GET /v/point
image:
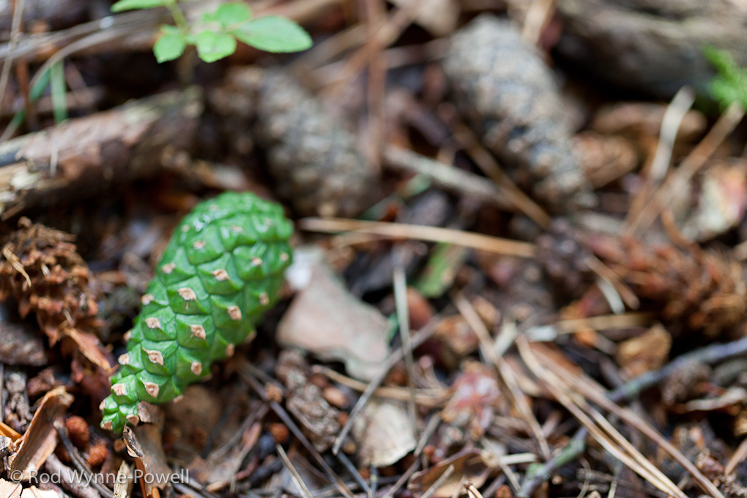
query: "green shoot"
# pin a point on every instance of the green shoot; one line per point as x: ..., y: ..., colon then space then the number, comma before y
x: 215, y: 35
x: 57, y: 92
x: 730, y: 85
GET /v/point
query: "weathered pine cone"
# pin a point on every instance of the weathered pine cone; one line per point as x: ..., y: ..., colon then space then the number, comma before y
x: 311, y: 156
x: 509, y: 93
x: 319, y: 420
x: 42, y: 270
x: 703, y: 289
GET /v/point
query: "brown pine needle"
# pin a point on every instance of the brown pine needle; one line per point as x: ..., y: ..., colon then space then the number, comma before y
x: 604, y: 322
x: 505, y: 374
x: 438, y: 482
x: 487, y: 163
x: 687, y: 169
x: 575, y: 404
x: 589, y: 389
x: 670, y: 125
x: 737, y: 458
x: 305, y: 491
x: 424, y: 397
x: 461, y: 238
x: 403, y: 316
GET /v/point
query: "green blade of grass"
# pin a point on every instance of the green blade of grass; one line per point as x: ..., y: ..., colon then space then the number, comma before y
x: 57, y: 89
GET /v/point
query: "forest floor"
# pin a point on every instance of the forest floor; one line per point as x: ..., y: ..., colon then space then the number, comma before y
x: 518, y: 251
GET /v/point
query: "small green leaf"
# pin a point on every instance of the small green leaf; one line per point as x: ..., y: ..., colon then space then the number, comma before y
x: 138, y: 4
x: 231, y: 13
x: 273, y: 34
x: 213, y: 46
x: 169, y: 46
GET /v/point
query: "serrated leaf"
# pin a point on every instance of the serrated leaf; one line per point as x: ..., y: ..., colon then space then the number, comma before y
x: 274, y: 34
x: 138, y: 4
x: 212, y: 46
x: 169, y: 46
x: 232, y: 13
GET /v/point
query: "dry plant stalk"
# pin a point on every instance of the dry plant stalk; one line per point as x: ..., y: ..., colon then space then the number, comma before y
x: 45, y: 274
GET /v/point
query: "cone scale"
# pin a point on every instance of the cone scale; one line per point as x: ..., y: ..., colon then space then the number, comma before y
x: 221, y: 270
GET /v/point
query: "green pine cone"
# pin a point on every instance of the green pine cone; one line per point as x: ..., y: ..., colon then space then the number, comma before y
x: 220, y: 272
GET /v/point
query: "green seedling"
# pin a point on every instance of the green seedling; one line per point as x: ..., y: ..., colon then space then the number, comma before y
x: 216, y: 34
x: 730, y: 85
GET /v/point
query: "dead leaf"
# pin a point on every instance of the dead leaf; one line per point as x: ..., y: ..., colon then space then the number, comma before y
x: 384, y: 433
x: 644, y: 353
x: 40, y: 439
x: 331, y: 323
x: 471, y: 464
x: 439, y: 17
x: 10, y: 489
x: 123, y: 484
x: 721, y: 203
x: 34, y: 492
x: 144, y: 445
x: 224, y: 466
x: 472, y: 404
x: 91, y: 348
x: 194, y: 416
x: 20, y: 343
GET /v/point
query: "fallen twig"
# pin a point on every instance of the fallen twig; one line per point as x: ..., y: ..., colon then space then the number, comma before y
x: 82, y: 155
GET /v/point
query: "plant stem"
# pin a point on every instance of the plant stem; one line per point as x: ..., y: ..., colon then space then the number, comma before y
x: 186, y: 64
x: 178, y: 15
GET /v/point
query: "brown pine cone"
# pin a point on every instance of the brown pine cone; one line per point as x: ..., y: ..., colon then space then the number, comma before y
x: 318, y: 419
x: 311, y: 155
x: 704, y: 289
x: 41, y: 269
x: 509, y: 92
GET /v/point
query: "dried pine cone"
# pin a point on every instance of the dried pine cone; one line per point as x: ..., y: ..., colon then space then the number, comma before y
x: 705, y: 289
x: 509, y: 92
x: 45, y: 274
x: 311, y: 156
x: 319, y: 420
